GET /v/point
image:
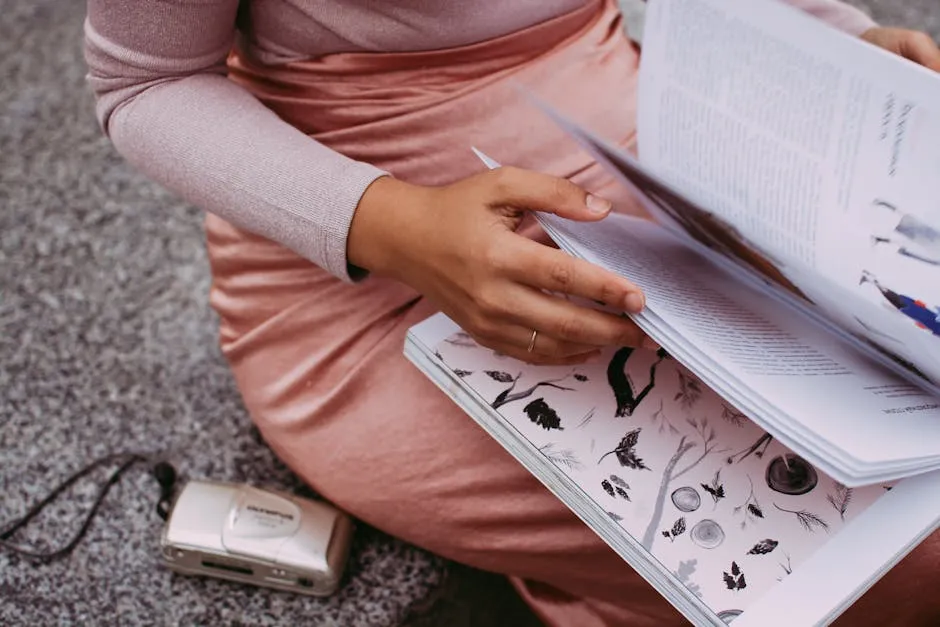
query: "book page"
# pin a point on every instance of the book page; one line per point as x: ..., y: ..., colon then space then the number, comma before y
x: 797, y: 369
x: 693, y: 487
x: 817, y: 149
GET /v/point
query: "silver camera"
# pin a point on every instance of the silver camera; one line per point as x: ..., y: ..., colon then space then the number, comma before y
x: 260, y: 537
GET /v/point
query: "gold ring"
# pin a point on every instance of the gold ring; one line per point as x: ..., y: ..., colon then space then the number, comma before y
x: 535, y: 334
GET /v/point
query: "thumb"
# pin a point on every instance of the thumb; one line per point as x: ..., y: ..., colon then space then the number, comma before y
x: 921, y: 48
x: 524, y: 189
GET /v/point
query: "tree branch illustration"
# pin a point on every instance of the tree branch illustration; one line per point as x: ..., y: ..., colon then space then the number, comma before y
x: 757, y: 449
x: 683, y: 448
x: 708, y: 444
x: 670, y: 474
x: 508, y: 396
x: 628, y: 398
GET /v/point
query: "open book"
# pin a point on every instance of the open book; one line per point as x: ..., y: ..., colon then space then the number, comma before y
x: 794, y: 262
x: 719, y: 516
x: 792, y: 274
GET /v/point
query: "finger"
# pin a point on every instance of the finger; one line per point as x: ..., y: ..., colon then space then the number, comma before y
x: 562, y: 321
x: 512, y: 350
x: 921, y: 48
x: 543, y: 344
x: 556, y: 271
x: 532, y: 340
x: 524, y: 189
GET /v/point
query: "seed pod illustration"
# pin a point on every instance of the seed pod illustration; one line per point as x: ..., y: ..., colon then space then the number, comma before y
x: 686, y: 499
x: 707, y: 534
x: 792, y: 476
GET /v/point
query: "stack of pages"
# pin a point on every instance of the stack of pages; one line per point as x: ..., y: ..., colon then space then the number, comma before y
x: 782, y: 451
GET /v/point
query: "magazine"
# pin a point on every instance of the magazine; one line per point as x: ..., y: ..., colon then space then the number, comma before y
x: 809, y: 311
x: 724, y: 520
x: 791, y: 264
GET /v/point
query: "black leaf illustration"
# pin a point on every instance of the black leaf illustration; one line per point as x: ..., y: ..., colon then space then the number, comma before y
x: 609, y: 489
x: 763, y: 547
x: 496, y: 375
x: 735, y: 579
x: 715, y: 488
x: 625, y: 452
x: 618, y: 481
x: 807, y: 519
x: 463, y: 373
x: 615, y: 517
x: 541, y: 414
x: 717, y: 493
x: 564, y: 457
x: 690, y: 390
x: 580, y: 377
x: 438, y: 355
x: 841, y: 499
x: 750, y: 508
x: 622, y: 493
x: 733, y: 416
x: 678, y: 528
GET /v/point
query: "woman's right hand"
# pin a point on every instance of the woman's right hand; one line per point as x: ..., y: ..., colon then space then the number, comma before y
x: 457, y: 245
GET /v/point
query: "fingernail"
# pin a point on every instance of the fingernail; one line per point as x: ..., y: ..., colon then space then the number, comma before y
x: 635, y: 302
x: 650, y: 344
x: 597, y: 205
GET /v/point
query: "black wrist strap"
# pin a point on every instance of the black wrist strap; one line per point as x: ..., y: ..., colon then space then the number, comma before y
x: 164, y: 473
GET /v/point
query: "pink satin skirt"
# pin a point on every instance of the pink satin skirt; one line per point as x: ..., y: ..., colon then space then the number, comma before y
x: 297, y: 337
x: 319, y: 362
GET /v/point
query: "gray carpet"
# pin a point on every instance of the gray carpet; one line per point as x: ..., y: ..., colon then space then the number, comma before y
x: 107, y: 344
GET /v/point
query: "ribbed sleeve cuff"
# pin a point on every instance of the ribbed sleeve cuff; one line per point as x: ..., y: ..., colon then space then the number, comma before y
x: 328, y: 232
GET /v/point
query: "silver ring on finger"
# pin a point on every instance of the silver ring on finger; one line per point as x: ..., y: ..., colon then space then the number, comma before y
x: 535, y: 335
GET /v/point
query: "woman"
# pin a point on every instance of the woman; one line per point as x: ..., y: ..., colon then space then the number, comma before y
x: 329, y: 146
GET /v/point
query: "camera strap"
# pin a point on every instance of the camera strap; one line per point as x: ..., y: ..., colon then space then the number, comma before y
x: 164, y: 473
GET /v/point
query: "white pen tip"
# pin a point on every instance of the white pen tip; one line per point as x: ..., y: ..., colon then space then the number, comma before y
x: 487, y: 161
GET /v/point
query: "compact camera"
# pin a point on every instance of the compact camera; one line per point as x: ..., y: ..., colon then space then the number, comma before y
x: 260, y: 537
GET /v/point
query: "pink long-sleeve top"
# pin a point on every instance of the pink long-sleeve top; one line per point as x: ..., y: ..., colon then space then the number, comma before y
x: 158, y: 72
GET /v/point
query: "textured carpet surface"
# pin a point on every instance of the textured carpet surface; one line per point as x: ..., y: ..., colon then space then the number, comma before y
x: 107, y: 345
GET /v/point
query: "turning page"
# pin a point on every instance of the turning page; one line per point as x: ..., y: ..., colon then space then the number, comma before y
x: 850, y: 415
x: 820, y: 150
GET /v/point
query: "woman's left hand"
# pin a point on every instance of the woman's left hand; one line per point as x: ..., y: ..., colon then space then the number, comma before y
x: 910, y: 44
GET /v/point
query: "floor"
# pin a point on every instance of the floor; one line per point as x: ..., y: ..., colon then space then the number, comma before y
x: 107, y: 345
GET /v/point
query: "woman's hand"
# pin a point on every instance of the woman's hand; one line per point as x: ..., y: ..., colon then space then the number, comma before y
x: 457, y: 245
x: 914, y: 45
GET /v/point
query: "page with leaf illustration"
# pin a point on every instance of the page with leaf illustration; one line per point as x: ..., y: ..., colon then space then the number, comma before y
x: 763, y: 355
x: 819, y: 150
x: 848, y: 414
x: 715, y: 512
